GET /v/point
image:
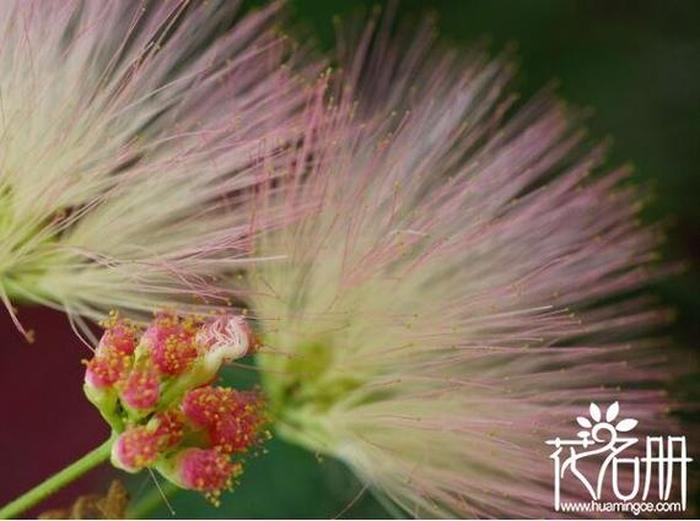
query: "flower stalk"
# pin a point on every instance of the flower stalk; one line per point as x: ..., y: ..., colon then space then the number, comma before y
x: 57, y: 481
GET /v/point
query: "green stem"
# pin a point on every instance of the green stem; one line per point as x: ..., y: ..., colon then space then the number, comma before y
x: 57, y: 481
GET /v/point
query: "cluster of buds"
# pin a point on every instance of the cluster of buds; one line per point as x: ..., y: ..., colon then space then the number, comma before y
x: 154, y: 388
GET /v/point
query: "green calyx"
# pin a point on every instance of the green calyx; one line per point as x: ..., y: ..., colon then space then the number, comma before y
x: 302, y: 388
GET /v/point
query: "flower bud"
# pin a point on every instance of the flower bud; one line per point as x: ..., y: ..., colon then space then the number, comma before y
x: 172, y: 343
x: 205, y: 470
x: 141, y: 389
x: 119, y: 337
x: 226, y: 338
x: 168, y: 427
x: 238, y: 431
x: 204, y: 406
x: 232, y: 419
x: 113, y: 356
x: 135, y: 449
x: 106, y: 369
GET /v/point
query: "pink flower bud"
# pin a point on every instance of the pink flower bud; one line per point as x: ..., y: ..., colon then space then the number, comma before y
x: 172, y: 343
x: 135, y: 449
x: 169, y: 428
x: 119, y: 337
x: 141, y: 390
x: 205, y: 470
x: 204, y: 406
x: 106, y: 369
x: 233, y: 419
x: 238, y: 431
x: 113, y: 356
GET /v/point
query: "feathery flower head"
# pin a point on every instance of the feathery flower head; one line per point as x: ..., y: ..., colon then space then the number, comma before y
x: 134, y: 137
x: 162, y: 410
x: 450, y: 306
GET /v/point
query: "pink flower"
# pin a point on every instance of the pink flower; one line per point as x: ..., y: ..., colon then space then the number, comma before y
x: 137, y: 136
x: 465, y: 288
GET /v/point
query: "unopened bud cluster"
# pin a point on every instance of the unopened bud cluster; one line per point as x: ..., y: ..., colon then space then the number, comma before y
x: 154, y: 388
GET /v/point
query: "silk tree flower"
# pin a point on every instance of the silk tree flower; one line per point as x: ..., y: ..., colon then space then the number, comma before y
x: 472, y: 282
x: 132, y: 137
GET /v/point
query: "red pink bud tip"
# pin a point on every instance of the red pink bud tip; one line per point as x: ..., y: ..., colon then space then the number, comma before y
x: 233, y: 419
x: 120, y: 337
x: 206, y: 470
x: 169, y: 429
x: 141, y: 390
x: 113, y: 356
x: 172, y: 343
x: 135, y: 449
x: 238, y: 431
x: 204, y: 406
x: 106, y: 369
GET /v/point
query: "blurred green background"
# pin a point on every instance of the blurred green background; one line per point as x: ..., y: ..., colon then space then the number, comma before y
x: 637, y: 65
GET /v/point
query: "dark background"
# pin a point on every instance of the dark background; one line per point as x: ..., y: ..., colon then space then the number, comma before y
x: 636, y: 63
